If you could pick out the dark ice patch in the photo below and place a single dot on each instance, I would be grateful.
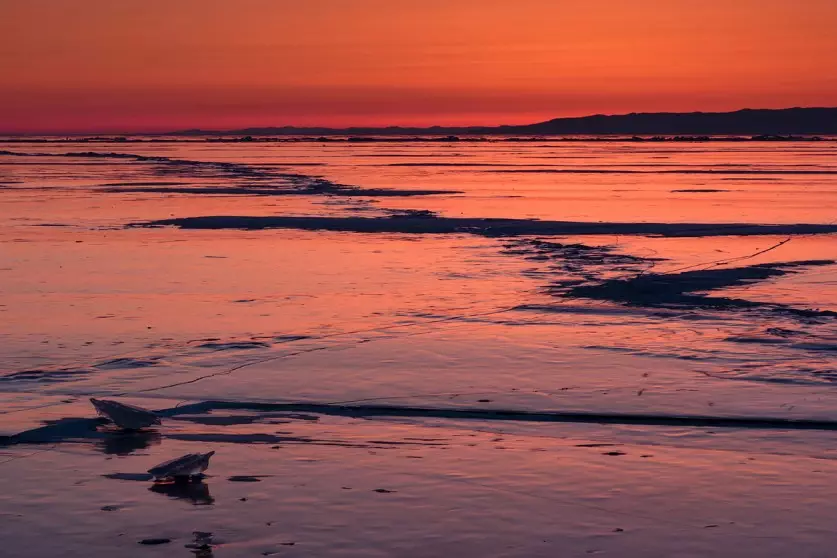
(691, 289)
(44, 376)
(484, 227)
(127, 363)
(234, 345)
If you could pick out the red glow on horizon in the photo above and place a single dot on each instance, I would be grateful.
(103, 66)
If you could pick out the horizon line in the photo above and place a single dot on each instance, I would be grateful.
(496, 127)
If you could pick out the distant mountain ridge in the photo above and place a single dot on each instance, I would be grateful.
(791, 121)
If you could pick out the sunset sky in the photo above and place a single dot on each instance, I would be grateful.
(150, 65)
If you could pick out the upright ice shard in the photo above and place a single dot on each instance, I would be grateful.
(125, 416)
(184, 467)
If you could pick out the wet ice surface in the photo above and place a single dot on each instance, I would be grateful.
(361, 488)
(458, 372)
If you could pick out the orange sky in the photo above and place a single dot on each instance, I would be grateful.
(114, 65)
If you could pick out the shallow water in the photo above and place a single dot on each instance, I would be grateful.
(680, 304)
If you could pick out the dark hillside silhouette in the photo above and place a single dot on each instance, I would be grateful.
(792, 121)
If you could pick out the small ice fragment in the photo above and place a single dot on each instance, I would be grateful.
(154, 542)
(189, 465)
(125, 416)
